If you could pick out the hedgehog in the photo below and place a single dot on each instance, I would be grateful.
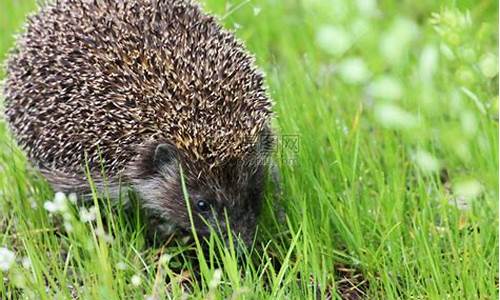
(143, 96)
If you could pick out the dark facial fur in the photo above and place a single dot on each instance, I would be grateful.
(231, 192)
(106, 82)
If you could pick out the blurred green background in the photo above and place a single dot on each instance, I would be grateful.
(393, 193)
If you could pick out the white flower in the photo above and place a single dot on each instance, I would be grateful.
(7, 259)
(468, 189)
(26, 262)
(50, 207)
(60, 198)
(386, 87)
(107, 237)
(215, 281)
(489, 65)
(136, 280)
(391, 116)
(368, 7)
(72, 198)
(333, 40)
(165, 258)
(353, 70)
(429, 59)
(57, 205)
(256, 10)
(395, 43)
(426, 161)
(68, 227)
(87, 215)
(33, 204)
(468, 122)
(464, 192)
(121, 266)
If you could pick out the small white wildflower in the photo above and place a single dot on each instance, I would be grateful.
(386, 87)
(72, 198)
(428, 63)
(391, 116)
(87, 215)
(333, 40)
(60, 201)
(68, 227)
(236, 26)
(256, 10)
(107, 237)
(395, 43)
(441, 230)
(468, 122)
(367, 7)
(489, 65)
(353, 70)
(215, 281)
(7, 259)
(121, 266)
(26, 262)
(50, 207)
(426, 161)
(345, 130)
(468, 189)
(57, 205)
(33, 204)
(136, 280)
(60, 198)
(150, 297)
(165, 259)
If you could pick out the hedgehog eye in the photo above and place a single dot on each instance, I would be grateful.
(202, 206)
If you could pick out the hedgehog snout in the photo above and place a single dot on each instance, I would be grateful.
(241, 228)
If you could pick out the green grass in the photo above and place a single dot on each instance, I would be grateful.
(382, 101)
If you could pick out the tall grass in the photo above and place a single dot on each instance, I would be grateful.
(387, 113)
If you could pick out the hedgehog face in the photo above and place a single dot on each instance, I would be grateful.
(232, 192)
(213, 208)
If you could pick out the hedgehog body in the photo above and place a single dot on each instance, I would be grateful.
(141, 89)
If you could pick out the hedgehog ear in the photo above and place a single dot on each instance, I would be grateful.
(164, 154)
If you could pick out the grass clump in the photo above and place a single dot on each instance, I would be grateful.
(388, 150)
